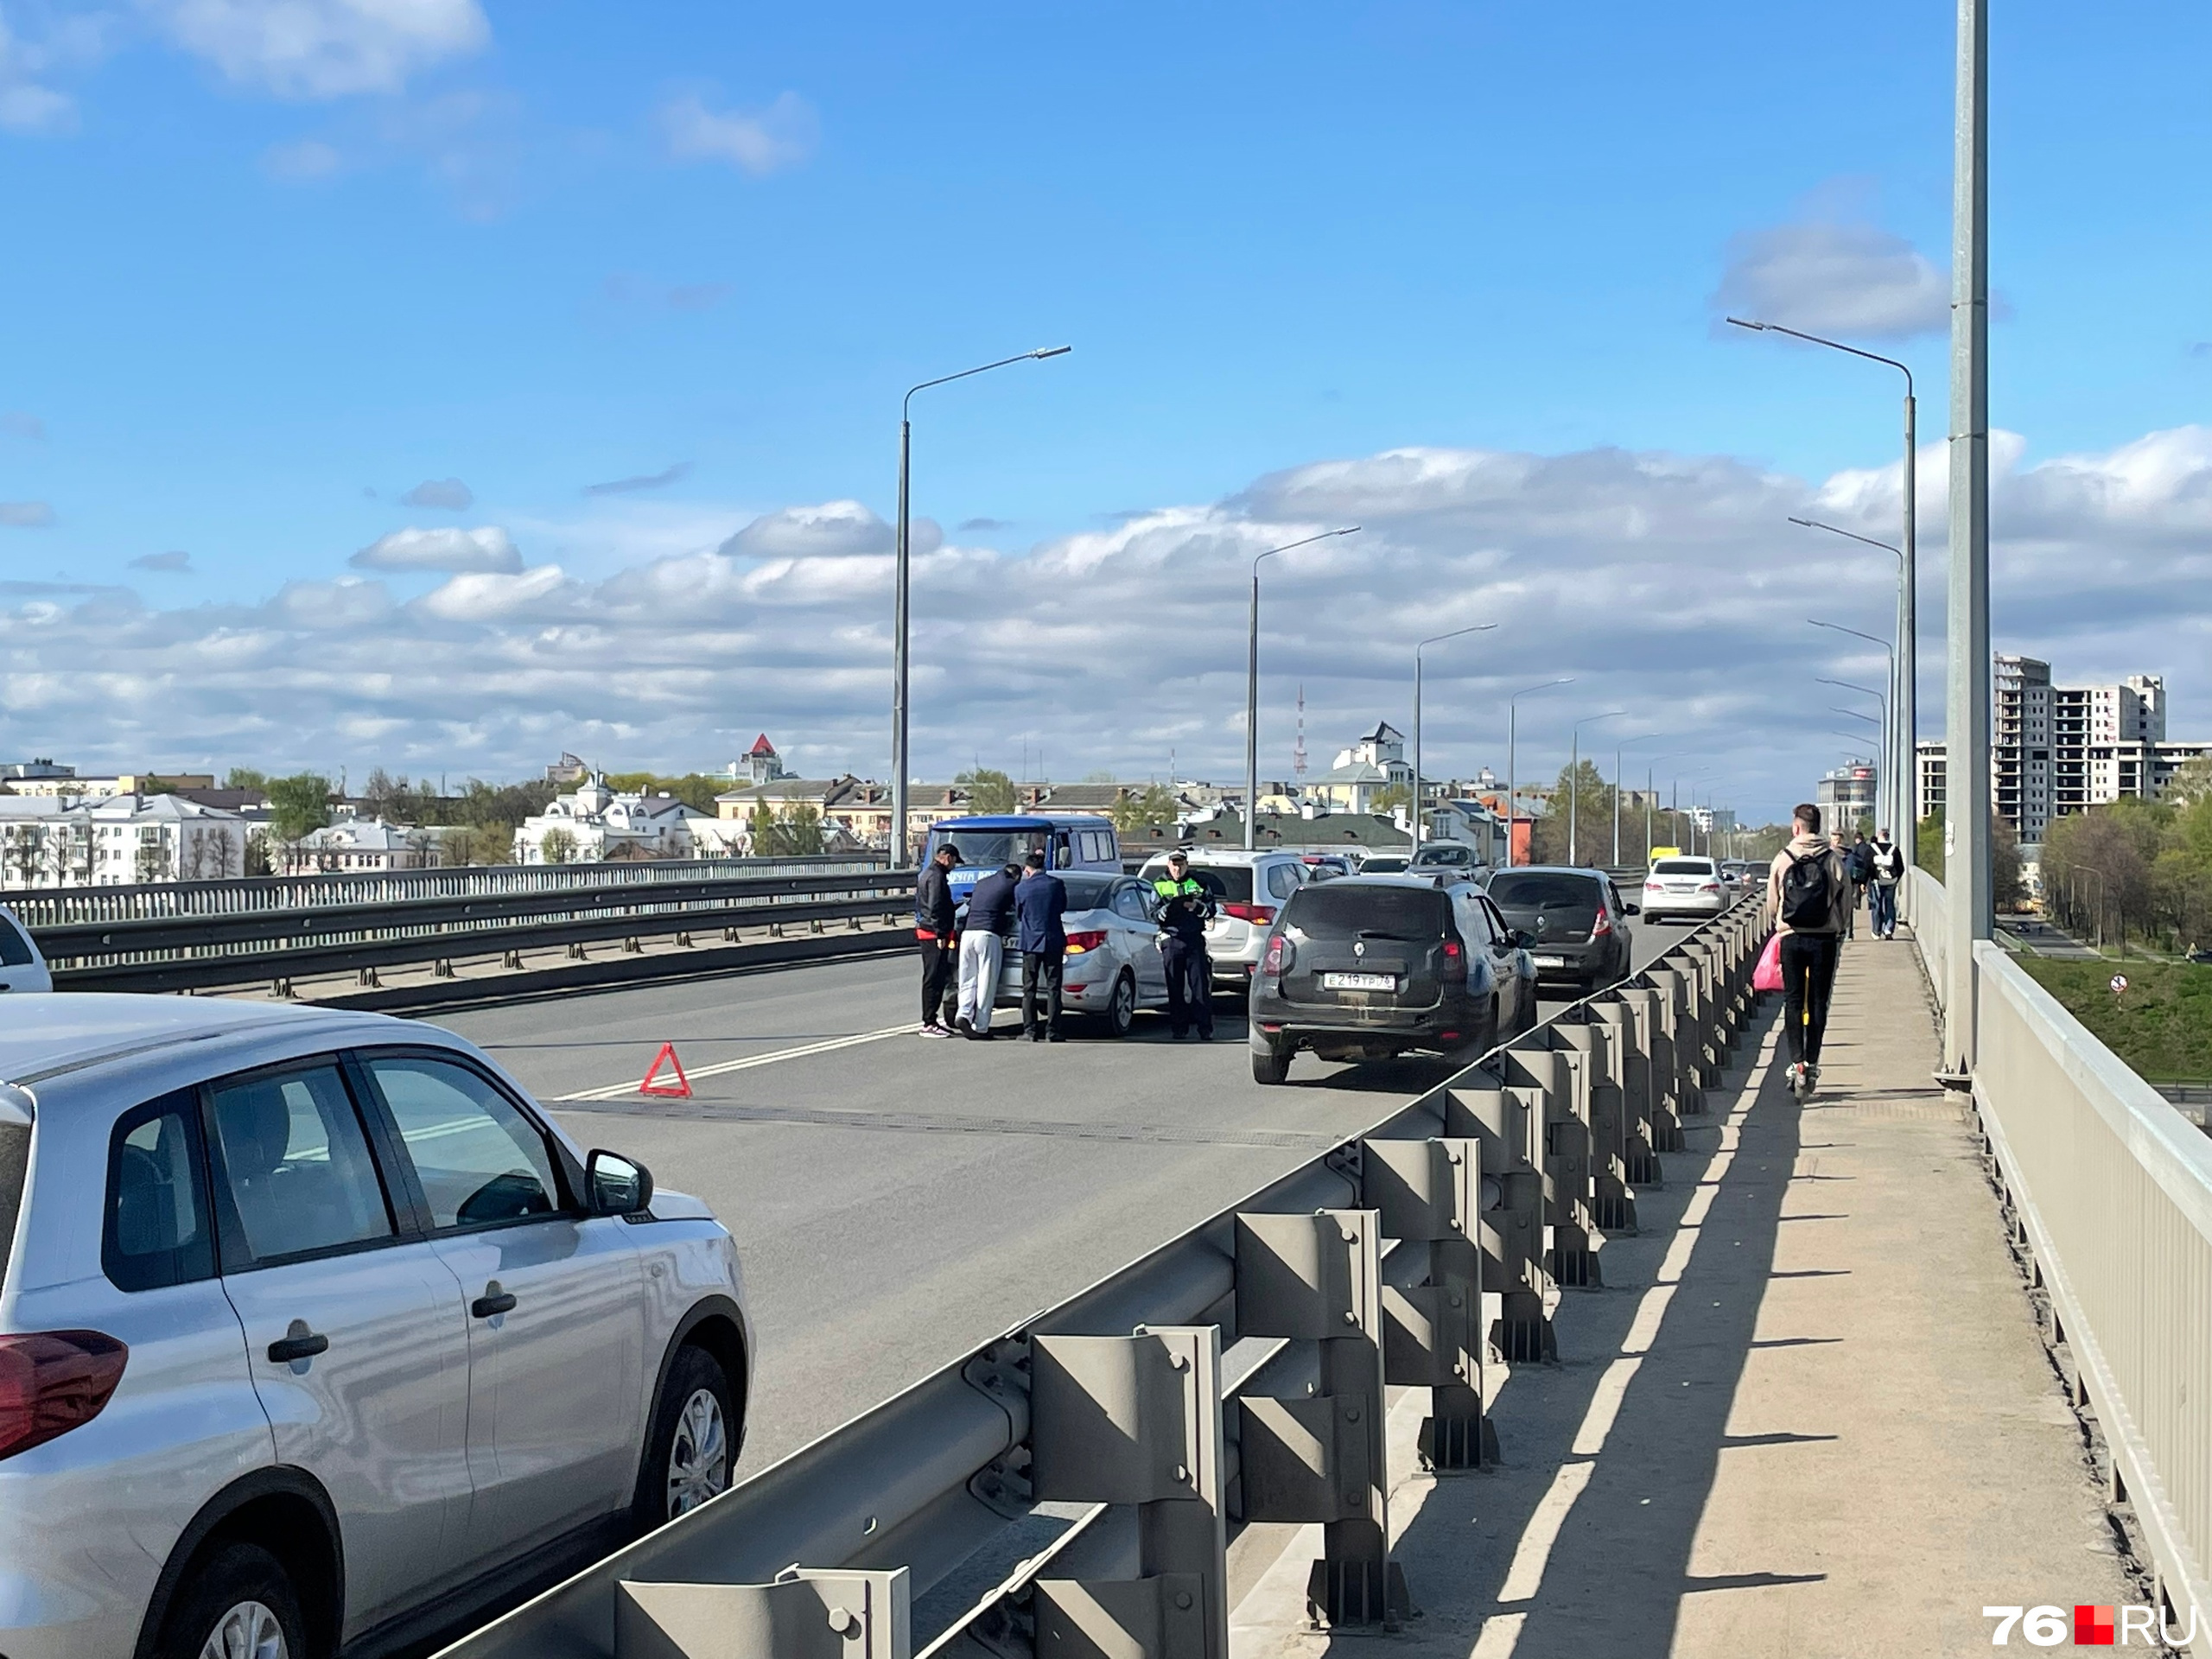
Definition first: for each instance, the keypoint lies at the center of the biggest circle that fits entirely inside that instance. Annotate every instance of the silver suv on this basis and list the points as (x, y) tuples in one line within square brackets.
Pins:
[(313, 1328), (1248, 889)]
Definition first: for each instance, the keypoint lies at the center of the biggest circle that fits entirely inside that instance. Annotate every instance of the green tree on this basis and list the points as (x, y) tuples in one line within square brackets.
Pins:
[(557, 846), (245, 777), (696, 790), (1582, 796), (799, 830), (989, 789), (298, 804), (1390, 799), (1140, 810), (760, 824)]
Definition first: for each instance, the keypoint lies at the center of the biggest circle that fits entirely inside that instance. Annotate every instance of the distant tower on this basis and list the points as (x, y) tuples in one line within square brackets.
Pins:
[(1298, 749)]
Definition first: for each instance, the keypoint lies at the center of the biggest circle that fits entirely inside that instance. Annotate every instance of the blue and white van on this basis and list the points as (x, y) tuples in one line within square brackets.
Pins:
[(1070, 841)]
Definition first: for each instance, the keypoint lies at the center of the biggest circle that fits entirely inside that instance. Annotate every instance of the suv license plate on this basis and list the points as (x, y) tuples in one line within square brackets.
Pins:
[(1551, 962), (1359, 981)]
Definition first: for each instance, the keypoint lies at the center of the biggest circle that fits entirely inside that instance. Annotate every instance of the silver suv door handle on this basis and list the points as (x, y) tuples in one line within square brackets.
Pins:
[(297, 1343), (493, 1302)]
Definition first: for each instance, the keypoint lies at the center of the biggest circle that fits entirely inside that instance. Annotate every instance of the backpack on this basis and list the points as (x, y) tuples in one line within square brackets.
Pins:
[(1805, 894), (1861, 866)]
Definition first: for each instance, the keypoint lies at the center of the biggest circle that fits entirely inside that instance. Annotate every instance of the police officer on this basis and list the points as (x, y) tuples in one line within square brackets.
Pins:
[(1185, 907)]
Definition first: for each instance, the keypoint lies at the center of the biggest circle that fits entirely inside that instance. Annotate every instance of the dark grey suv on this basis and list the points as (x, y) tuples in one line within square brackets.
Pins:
[(1576, 920), (1370, 966)]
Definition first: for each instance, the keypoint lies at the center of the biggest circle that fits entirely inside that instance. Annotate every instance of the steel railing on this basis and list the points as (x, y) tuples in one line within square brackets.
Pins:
[(2106, 1189), (1252, 1389), (360, 928)]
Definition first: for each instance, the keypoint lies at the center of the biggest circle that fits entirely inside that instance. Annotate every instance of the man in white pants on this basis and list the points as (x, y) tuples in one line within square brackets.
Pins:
[(990, 913)]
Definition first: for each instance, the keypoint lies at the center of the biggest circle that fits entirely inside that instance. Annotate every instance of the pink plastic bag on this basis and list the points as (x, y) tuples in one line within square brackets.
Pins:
[(1767, 976)]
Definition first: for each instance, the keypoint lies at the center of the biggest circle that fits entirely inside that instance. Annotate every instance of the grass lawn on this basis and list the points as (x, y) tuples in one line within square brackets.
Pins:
[(2162, 1026)]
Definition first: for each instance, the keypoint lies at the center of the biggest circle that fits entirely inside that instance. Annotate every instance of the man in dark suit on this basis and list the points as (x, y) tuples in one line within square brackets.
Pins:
[(1040, 903)]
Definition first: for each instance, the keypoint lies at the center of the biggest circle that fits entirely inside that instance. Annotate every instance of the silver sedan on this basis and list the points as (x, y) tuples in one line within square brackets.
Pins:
[(1113, 966)]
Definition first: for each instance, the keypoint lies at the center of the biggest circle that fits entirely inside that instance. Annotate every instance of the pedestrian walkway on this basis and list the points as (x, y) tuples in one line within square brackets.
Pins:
[(1810, 1413)]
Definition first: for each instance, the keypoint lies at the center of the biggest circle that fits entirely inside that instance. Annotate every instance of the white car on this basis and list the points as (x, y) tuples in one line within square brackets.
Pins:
[(23, 968), (315, 1333), (1248, 889), (1689, 888), (1113, 966)]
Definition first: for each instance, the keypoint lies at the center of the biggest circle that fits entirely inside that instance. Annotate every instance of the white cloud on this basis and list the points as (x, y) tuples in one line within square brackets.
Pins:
[(1852, 279), (1671, 585), (26, 106), (755, 142), (447, 492), (302, 162), (324, 48), (26, 515), (487, 549)]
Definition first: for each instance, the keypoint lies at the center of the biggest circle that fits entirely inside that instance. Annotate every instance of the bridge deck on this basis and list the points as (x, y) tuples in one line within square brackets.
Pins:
[(1810, 1413)]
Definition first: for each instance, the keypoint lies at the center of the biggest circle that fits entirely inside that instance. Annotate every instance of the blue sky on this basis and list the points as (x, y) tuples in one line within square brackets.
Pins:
[(274, 264)]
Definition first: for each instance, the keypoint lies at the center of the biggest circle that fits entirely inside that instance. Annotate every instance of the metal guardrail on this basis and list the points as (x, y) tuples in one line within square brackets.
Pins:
[(221, 948), (1235, 1375), (43, 907), (2106, 1188)]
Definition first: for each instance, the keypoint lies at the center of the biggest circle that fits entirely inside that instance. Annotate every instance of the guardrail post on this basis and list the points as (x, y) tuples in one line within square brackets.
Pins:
[(1430, 1193), (1665, 1123), (802, 1615), (1532, 1062), (1632, 1068), (1593, 1048), (1507, 1124), (1684, 1093), (1136, 1419), (1324, 1458)]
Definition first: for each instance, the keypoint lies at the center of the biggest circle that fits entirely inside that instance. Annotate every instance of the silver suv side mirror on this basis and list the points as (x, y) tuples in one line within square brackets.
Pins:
[(617, 1186)]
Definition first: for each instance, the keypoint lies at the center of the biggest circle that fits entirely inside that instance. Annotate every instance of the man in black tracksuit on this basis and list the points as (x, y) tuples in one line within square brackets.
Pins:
[(935, 919), (1185, 907)]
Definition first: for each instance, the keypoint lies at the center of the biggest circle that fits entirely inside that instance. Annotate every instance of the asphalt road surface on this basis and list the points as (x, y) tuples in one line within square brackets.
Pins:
[(898, 1201)]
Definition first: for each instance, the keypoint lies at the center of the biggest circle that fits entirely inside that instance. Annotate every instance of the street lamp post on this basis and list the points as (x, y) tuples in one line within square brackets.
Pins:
[(1872, 640), (1574, 778), (1479, 628), (1252, 687), (1617, 748), (900, 602), (1908, 619), (1899, 760), (1512, 776)]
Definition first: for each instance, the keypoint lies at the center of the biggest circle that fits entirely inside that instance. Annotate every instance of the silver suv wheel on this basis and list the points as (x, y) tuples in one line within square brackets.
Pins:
[(698, 1456), (248, 1630)]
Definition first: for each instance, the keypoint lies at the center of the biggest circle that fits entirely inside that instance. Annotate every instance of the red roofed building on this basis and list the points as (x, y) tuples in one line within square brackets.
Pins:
[(762, 762)]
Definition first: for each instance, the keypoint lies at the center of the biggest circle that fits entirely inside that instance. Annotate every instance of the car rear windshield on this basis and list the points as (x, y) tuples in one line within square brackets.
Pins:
[(1230, 884), (1341, 909), (15, 1167), (1682, 866), (1540, 888), (1086, 892)]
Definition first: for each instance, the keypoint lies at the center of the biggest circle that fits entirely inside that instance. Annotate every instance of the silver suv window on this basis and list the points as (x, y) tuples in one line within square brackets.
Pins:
[(296, 1163), (479, 1161), (157, 1231)]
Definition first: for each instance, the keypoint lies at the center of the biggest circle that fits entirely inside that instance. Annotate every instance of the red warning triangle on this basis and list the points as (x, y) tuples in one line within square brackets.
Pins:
[(680, 1090)]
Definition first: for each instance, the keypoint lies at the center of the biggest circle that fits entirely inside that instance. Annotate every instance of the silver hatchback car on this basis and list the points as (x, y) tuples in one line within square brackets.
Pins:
[(315, 1332)]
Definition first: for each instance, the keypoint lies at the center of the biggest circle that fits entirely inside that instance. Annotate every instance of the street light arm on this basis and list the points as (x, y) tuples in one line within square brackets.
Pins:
[(1037, 355), (1852, 714), (1870, 638), (1867, 690), (1438, 639), (1833, 344), (1308, 542), (1815, 524)]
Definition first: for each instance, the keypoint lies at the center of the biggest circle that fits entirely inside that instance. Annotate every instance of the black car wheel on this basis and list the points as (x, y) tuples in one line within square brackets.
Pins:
[(692, 1445), (240, 1606), (1121, 1009), (1271, 1065)]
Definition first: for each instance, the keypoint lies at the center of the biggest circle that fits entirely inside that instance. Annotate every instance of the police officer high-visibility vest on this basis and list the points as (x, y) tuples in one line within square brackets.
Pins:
[(1177, 913)]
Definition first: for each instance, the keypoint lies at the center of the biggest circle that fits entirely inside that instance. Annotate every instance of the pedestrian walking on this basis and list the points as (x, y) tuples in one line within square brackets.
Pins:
[(982, 950), (1185, 907), (936, 921), (1860, 866), (1040, 903), (1888, 861), (1807, 891), (1843, 862)]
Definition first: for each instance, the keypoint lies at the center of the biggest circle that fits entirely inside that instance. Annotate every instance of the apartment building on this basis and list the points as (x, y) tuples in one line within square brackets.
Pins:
[(2057, 749)]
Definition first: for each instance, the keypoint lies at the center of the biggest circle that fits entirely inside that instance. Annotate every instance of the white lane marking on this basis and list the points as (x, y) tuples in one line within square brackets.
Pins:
[(617, 1091)]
